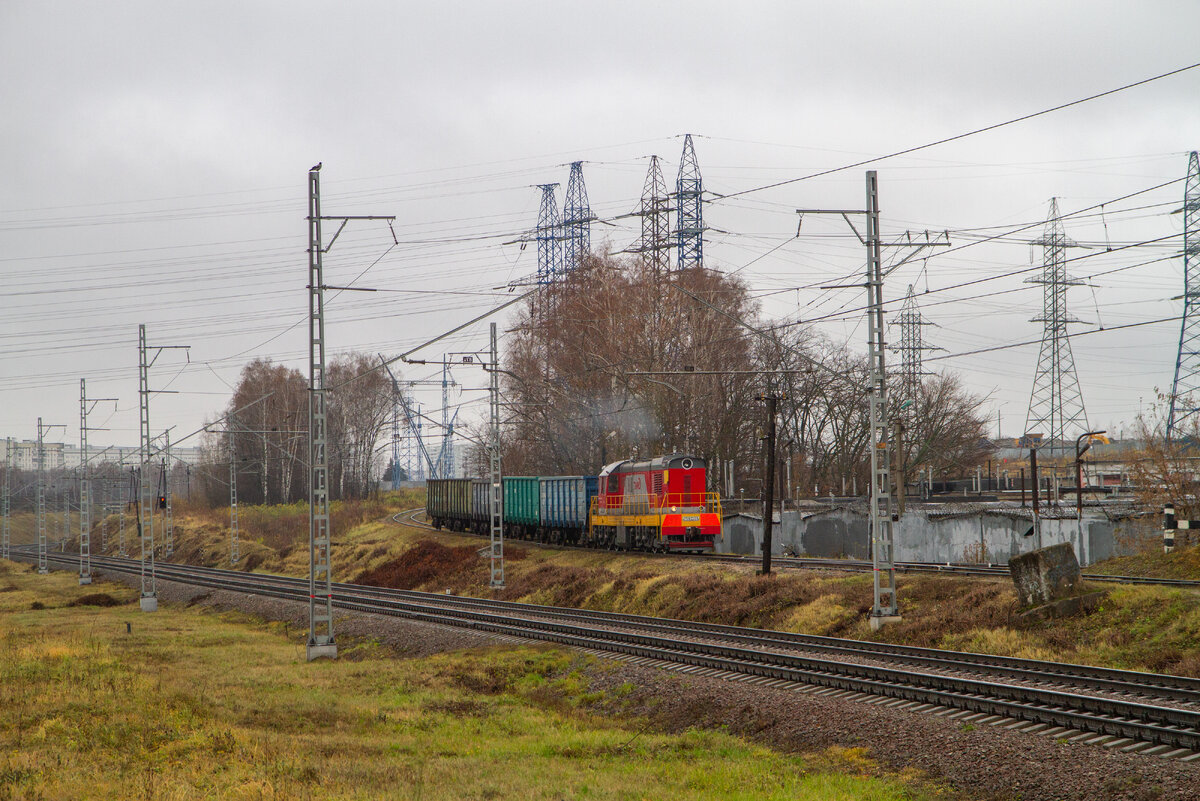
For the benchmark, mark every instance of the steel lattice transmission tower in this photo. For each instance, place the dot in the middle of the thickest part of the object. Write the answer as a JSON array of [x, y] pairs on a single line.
[[576, 220], [912, 347], [689, 210], [549, 237], [1185, 390], [1056, 402], [654, 245]]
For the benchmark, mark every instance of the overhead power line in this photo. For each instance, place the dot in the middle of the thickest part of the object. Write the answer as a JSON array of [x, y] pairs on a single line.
[[963, 135]]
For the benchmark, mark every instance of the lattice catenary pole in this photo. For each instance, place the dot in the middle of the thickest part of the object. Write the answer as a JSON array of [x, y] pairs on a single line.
[[5, 501], [321, 642], [145, 495], [41, 497], [884, 607], [1185, 389], [168, 506], [86, 405], [495, 499], [233, 499]]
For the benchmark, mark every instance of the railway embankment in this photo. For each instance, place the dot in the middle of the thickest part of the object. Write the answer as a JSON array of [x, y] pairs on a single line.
[[1150, 628]]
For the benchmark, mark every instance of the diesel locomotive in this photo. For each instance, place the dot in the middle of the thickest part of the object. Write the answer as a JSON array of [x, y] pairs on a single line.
[[660, 504]]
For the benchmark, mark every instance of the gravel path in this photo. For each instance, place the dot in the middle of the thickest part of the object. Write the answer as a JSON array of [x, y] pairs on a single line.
[[986, 763]]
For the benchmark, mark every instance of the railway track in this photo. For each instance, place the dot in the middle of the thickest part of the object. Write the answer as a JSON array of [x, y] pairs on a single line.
[[1148, 713], [853, 565]]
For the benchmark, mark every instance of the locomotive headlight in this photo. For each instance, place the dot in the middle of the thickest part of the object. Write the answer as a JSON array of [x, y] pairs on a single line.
[[673, 509]]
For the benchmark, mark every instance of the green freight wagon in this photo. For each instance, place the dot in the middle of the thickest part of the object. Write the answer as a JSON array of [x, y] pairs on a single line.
[[448, 503], [522, 506]]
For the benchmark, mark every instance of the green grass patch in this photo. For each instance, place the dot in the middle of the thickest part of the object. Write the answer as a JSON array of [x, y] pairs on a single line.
[[194, 704]]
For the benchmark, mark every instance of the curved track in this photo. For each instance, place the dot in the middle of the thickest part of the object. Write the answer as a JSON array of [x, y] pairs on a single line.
[[852, 565], [1138, 711]]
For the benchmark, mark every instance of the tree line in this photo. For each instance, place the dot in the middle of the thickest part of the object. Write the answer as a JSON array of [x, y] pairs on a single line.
[[263, 431], [620, 361]]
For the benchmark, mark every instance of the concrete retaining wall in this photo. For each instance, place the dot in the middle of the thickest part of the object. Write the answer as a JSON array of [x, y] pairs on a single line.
[[981, 537]]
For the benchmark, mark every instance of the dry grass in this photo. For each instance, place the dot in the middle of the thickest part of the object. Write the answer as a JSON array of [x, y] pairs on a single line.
[[1143, 628], [196, 705]]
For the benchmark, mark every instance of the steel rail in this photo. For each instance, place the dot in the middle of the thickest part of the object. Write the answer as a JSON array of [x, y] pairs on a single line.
[[1165, 725], [1151, 685]]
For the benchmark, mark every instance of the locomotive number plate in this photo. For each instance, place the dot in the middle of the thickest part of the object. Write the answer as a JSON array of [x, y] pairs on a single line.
[[691, 518]]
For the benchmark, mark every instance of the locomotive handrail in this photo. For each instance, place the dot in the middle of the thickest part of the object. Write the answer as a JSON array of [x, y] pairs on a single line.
[[658, 504]]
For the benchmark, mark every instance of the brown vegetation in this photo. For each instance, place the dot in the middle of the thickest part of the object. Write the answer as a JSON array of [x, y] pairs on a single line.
[[620, 361], [267, 438]]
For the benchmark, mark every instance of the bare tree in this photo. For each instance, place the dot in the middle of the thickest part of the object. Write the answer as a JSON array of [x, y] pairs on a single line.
[[575, 398]]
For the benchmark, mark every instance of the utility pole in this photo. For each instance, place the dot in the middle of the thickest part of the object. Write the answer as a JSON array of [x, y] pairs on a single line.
[[495, 500], [168, 510], [66, 508], [6, 500], [233, 506], [885, 608], [321, 642], [768, 483], [446, 457], [123, 551], [145, 505], [41, 494], [85, 489]]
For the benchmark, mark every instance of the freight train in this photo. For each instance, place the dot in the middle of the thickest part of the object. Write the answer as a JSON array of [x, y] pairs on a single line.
[[654, 505]]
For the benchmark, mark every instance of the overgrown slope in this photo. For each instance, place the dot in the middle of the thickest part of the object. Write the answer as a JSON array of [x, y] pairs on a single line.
[[1137, 627]]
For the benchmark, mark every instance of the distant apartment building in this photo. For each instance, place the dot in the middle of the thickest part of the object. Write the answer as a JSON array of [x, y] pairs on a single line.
[[22, 454]]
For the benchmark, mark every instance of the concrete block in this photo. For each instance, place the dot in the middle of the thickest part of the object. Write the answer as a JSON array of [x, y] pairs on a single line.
[[322, 651], [1045, 575], [879, 621], [149, 603], [85, 579]]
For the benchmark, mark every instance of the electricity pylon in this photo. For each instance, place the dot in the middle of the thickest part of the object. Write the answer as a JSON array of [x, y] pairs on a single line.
[[689, 209], [1056, 402], [1185, 390], [577, 220], [549, 237], [912, 349], [654, 245]]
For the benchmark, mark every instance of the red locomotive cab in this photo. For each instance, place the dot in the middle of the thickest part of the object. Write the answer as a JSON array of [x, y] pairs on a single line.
[[659, 504]]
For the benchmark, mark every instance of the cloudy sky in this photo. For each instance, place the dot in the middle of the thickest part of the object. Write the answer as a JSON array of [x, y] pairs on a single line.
[[157, 157]]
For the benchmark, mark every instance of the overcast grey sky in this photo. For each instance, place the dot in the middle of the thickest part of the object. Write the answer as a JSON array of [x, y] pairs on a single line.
[[157, 155]]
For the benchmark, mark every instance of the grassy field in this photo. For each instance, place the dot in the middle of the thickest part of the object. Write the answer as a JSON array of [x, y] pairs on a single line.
[[194, 704]]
